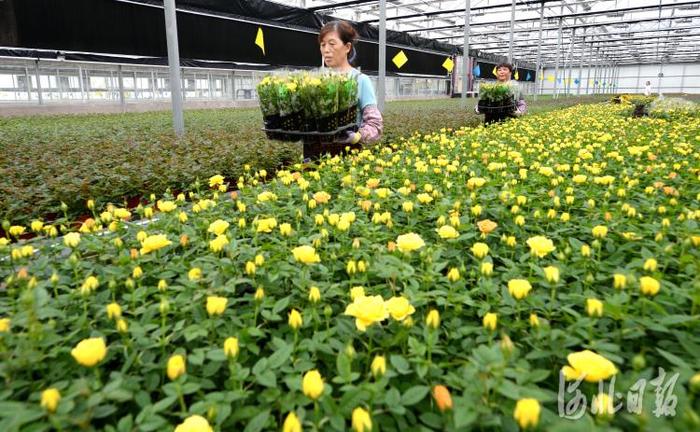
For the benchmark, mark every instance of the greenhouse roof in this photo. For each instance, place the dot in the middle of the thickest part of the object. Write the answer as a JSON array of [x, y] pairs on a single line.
[[622, 31]]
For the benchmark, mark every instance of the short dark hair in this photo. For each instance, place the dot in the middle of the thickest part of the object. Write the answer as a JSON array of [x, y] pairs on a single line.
[[505, 65], [347, 34]]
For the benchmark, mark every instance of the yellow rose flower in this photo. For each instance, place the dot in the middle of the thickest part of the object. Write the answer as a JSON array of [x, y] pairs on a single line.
[[367, 310], [447, 232], [218, 227], [409, 242], [89, 285], [49, 399], [312, 384], [194, 423], [215, 181], [527, 413], [90, 351], [285, 229], [540, 246], [361, 420], [649, 285], [194, 274], [176, 367], [519, 288], [71, 239], [153, 243], [399, 308], [588, 365], [600, 231], [216, 305], [16, 230], [480, 250], [219, 243], [306, 255], [486, 226], [166, 206]]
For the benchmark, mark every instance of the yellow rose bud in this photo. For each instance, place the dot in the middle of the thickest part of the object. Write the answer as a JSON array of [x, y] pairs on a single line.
[[162, 285], [551, 273], [259, 294], [122, 326], [295, 320], [71, 239], [594, 307], [432, 320], [306, 255], [49, 399], [361, 420], [490, 321], [291, 423], [619, 281], [231, 347], [314, 294], [176, 367], [194, 274], [137, 272], [600, 231], [602, 405], [527, 413], [453, 275], [114, 311], [378, 366], [4, 325], [649, 285], [650, 265], [486, 268], [312, 384], [534, 320]]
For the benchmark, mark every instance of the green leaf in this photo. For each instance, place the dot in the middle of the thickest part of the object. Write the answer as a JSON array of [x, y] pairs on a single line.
[[281, 356], [414, 395], [257, 423]]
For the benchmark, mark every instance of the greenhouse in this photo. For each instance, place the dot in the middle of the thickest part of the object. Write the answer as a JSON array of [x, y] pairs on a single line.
[[361, 215]]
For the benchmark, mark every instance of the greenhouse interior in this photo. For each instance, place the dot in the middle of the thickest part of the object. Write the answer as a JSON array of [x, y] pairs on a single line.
[[349, 215]]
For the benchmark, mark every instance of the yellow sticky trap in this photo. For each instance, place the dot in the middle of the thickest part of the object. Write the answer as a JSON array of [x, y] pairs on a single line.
[[260, 40], [448, 64], [400, 59], [517, 75], [494, 71], [550, 78]]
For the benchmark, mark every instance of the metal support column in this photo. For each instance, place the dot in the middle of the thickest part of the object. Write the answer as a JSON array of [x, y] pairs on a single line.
[[120, 82], [556, 66], [683, 78], [58, 84], [154, 85], [580, 63], [538, 78], [588, 68], [569, 67], [233, 85], [27, 83], [639, 74], [466, 63], [174, 64], [38, 82], [88, 86], [80, 83], [381, 85], [512, 29]]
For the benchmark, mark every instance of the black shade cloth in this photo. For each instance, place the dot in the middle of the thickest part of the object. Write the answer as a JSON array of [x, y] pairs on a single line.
[[132, 29]]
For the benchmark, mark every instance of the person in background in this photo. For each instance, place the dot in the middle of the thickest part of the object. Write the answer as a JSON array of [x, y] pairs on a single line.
[[504, 73], [647, 89], [337, 41]]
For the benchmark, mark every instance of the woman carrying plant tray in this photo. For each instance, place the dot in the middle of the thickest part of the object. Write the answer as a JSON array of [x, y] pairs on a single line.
[[503, 99], [337, 43]]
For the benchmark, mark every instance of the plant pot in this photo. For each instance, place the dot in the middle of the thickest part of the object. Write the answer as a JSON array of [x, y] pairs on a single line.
[[506, 106]]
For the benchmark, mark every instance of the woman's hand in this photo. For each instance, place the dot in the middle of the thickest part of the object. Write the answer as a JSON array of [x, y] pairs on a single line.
[[350, 138]]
